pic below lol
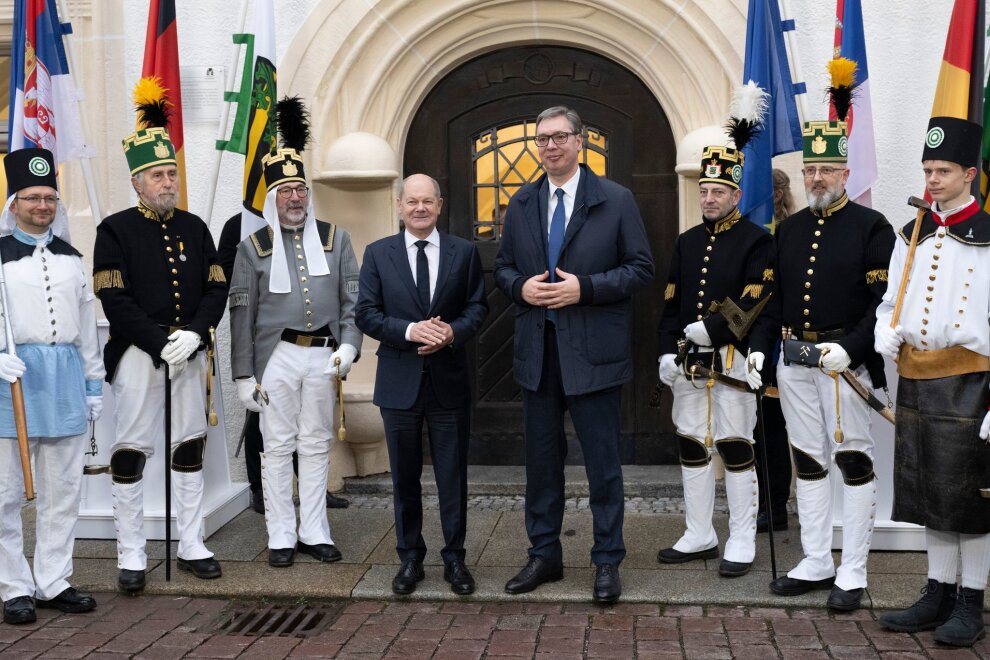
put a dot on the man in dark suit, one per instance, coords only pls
(422, 296)
(573, 252)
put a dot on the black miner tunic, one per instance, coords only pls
(832, 274)
(731, 257)
(152, 274)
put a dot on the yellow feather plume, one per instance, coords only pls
(149, 90)
(843, 72)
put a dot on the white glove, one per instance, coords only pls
(887, 340)
(181, 344)
(835, 357)
(346, 353)
(11, 367)
(668, 370)
(95, 405)
(985, 427)
(246, 389)
(697, 334)
(753, 367)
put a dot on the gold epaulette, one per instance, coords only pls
(216, 274)
(768, 274)
(262, 241)
(670, 291)
(107, 279)
(752, 291)
(878, 275)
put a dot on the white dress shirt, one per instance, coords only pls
(570, 191)
(432, 258)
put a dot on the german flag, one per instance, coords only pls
(161, 58)
(960, 81)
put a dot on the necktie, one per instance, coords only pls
(423, 275)
(555, 243)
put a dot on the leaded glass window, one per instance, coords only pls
(505, 159)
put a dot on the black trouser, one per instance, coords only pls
(778, 454)
(449, 433)
(253, 446)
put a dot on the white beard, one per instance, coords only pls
(821, 201)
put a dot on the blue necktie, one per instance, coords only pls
(423, 275)
(555, 243)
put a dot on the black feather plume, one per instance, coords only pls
(741, 131)
(292, 119)
(151, 102)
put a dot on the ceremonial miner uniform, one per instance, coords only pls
(52, 313)
(831, 274)
(292, 300)
(157, 276)
(941, 457)
(728, 257)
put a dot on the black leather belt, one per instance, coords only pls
(307, 339)
(821, 335)
(172, 328)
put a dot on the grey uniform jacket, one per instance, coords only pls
(258, 317)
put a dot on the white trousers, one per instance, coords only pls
(58, 465)
(733, 416)
(807, 398)
(139, 412)
(298, 418)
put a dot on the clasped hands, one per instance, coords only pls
(433, 333)
(540, 292)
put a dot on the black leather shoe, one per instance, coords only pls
(779, 522)
(130, 581)
(788, 586)
(535, 573)
(325, 552)
(410, 573)
(204, 569)
(19, 610)
(258, 501)
(733, 569)
(334, 502)
(608, 586)
(281, 557)
(844, 601)
(70, 601)
(671, 556)
(460, 578)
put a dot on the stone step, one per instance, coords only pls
(648, 481)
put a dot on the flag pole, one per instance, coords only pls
(224, 117)
(87, 168)
(792, 60)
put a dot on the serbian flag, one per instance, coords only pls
(43, 108)
(960, 88)
(767, 65)
(161, 59)
(850, 43)
(254, 131)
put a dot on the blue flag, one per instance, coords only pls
(766, 65)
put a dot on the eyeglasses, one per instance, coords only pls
(50, 200)
(558, 138)
(302, 192)
(810, 172)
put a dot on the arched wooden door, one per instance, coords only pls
(471, 134)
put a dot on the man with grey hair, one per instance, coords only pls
(573, 252)
(423, 298)
(292, 298)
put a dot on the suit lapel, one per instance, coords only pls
(447, 256)
(580, 213)
(400, 260)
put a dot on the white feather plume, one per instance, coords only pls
(749, 102)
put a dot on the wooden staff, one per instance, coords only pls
(17, 396)
(923, 207)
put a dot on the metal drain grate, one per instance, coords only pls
(276, 620)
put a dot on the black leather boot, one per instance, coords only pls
(931, 611)
(965, 624)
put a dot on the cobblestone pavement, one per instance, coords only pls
(174, 627)
(516, 502)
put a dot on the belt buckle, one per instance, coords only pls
(304, 340)
(810, 335)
